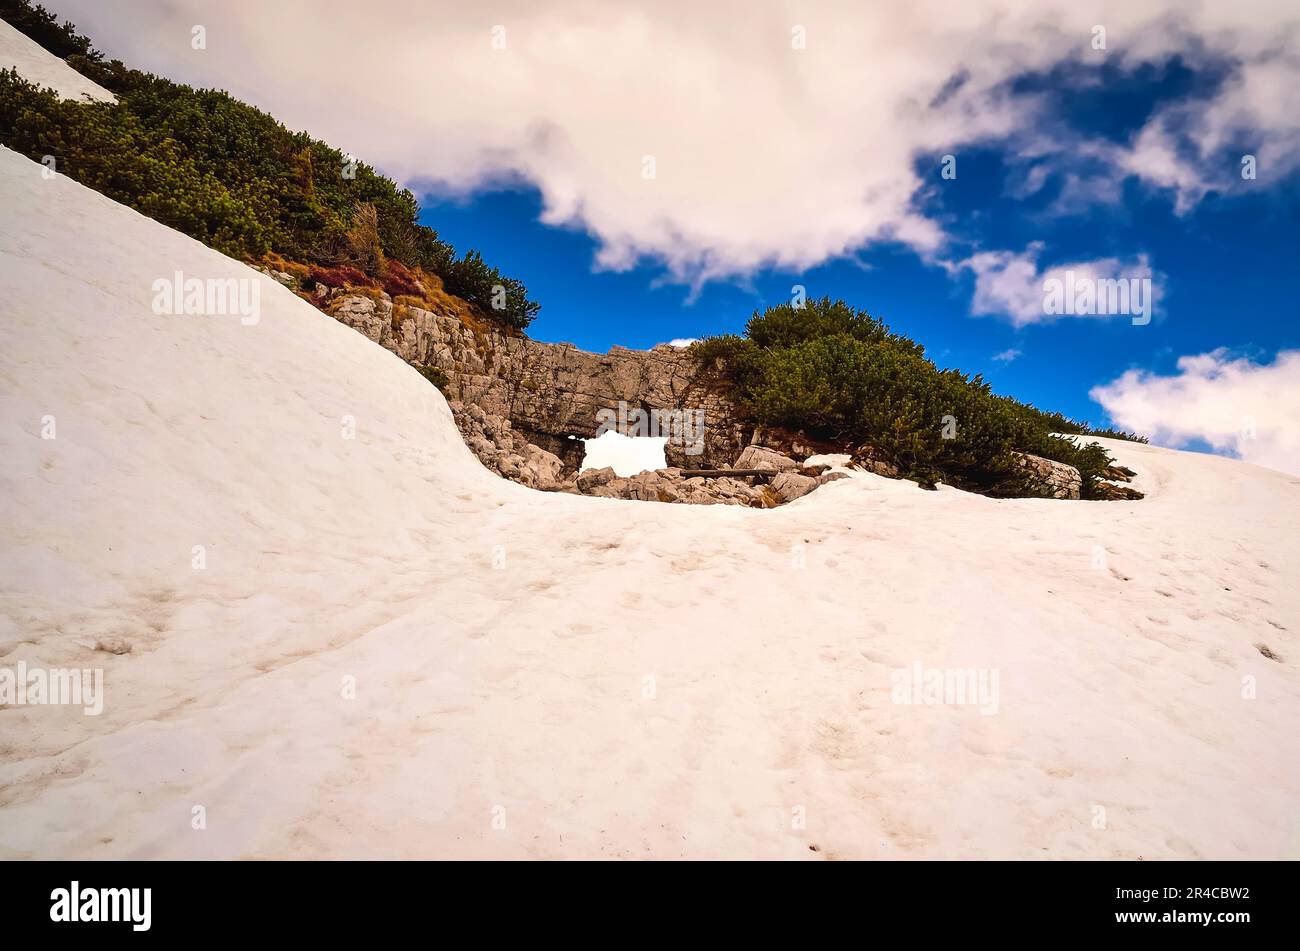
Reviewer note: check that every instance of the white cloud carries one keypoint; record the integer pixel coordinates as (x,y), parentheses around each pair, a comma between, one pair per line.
(1006,356)
(1236,406)
(1155,158)
(683,341)
(763,154)
(1010,284)
(1188,147)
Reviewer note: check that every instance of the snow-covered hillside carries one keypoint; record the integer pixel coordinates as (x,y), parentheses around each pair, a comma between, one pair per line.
(390,652)
(36,65)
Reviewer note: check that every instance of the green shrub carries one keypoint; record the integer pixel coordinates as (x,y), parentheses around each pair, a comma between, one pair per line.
(228,174)
(786,325)
(839,374)
(437,377)
(504,298)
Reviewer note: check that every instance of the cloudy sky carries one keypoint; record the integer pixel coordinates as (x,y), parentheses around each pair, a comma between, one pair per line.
(657,171)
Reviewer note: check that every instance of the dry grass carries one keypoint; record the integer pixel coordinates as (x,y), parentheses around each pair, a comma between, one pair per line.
(417,289)
(275,262)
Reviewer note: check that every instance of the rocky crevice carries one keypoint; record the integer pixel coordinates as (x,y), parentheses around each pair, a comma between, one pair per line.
(551,391)
(524,407)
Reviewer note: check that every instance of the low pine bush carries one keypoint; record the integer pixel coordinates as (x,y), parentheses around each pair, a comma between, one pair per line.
(229,175)
(837,373)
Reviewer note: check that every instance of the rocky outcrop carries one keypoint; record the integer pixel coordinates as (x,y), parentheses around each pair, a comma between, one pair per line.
(1054,479)
(670,485)
(551,392)
(760,457)
(866,457)
(593,479)
(791,485)
(788,482)
(1106,487)
(525,406)
(505,452)
(1110,492)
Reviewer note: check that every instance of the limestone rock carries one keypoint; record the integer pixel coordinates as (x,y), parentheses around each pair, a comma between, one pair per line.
(280,277)
(552,392)
(617,489)
(505,452)
(1117,474)
(760,457)
(1055,480)
(520,403)
(867,457)
(592,478)
(1117,493)
(791,485)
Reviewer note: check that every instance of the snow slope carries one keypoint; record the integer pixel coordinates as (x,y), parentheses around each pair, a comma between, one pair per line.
(34,64)
(553,676)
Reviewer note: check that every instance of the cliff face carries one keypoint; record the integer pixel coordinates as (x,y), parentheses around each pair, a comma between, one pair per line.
(534,402)
(551,392)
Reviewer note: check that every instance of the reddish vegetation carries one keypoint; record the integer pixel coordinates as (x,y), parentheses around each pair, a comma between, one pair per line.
(342,276)
(407,287)
(399,280)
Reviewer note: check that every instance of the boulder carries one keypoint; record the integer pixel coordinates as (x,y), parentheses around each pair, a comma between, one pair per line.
(1052,479)
(592,478)
(1117,493)
(610,490)
(791,485)
(1117,474)
(867,457)
(280,277)
(505,452)
(353,306)
(760,457)
(544,470)
(642,491)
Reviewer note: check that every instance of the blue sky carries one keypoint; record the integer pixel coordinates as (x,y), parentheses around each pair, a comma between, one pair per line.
(1231,281)
(802,144)
(1230,274)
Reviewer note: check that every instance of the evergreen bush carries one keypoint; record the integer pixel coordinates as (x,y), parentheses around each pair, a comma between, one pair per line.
(838,373)
(229,175)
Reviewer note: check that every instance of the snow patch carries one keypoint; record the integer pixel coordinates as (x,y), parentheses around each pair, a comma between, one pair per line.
(322,619)
(38,65)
